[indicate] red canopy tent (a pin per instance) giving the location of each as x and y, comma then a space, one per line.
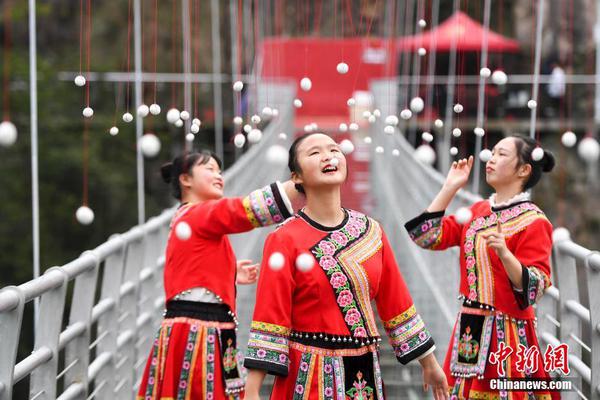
467, 32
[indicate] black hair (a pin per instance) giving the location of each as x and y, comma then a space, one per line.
183, 164
525, 146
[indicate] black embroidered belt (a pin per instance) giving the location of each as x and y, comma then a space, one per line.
329, 341
198, 310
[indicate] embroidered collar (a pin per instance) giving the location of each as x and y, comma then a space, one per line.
320, 227
519, 198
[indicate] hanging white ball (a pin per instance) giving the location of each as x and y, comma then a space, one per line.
88, 112
79, 80
143, 111
353, 126
422, 23
305, 262
438, 123
453, 151
84, 215
456, 132
173, 115
194, 128
346, 146
150, 145
458, 108
343, 127
238, 86
391, 120
314, 125
267, 112
255, 119
190, 137
485, 155
396, 153
537, 154
183, 231
114, 131
379, 150
308, 128
366, 114
247, 128
422, 51
499, 77
342, 68
560, 235
479, 131
351, 102
239, 140
184, 115
425, 154
179, 123
238, 120
377, 113
532, 104
254, 136
372, 119
389, 129
196, 121
405, 114
485, 72
127, 117
283, 136
8, 133
154, 109
568, 139
305, 84
297, 103
334, 162
589, 149
463, 215
368, 140
426, 136
276, 261
417, 104
275, 112
277, 155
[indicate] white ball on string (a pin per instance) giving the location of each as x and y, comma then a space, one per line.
532, 104
297, 103
389, 129
275, 112
346, 146
179, 123
194, 128
391, 120
254, 136
114, 131
154, 109
417, 104
305, 262
479, 131
353, 126
589, 149
456, 132
426, 136
314, 125
537, 154
366, 114
247, 128
343, 127
143, 110
485, 155
238, 86
372, 119
485, 72
305, 84
239, 140
499, 77
308, 128
463, 215
238, 120
379, 150
196, 121
255, 119
351, 102
438, 123
127, 117
377, 113
334, 162
267, 112
396, 153
405, 114
422, 23
560, 235
425, 154
184, 115
173, 115
342, 68
79, 80
422, 51
183, 231
458, 108
277, 155
276, 261
8, 133
568, 139
84, 215
150, 145
190, 137
88, 112
283, 136
368, 140
453, 151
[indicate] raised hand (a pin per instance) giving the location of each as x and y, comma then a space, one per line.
247, 273
497, 241
458, 176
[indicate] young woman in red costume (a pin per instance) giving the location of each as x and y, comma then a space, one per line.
505, 249
194, 354
313, 325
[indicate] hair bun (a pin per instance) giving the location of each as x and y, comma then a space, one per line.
548, 162
166, 171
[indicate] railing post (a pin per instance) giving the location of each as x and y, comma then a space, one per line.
593, 283
52, 305
10, 329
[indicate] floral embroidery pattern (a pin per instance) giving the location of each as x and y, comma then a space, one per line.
476, 360
190, 348
261, 207
407, 333
268, 343
326, 391
537, 282
304, 378
211, 338
427, 234
467, 346
360, 390
230, 357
